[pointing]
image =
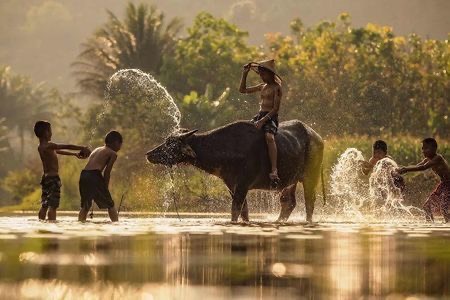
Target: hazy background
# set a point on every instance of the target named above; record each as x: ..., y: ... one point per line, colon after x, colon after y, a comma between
x: 353, y: 70
x: 41, y: 38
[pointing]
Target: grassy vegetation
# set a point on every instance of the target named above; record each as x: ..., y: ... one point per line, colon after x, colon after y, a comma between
x: 152, y: 188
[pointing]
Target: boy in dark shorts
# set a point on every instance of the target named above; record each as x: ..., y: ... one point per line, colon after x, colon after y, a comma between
x: 439, y: 200
x: 51, y: 183
x: 94, y: 184
x: 267, y: 118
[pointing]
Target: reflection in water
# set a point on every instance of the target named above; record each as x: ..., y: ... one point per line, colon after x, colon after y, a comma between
x: 345, y: 258
x: 154, y: 258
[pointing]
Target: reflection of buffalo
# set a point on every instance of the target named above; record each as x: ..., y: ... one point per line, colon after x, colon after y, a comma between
x: 237, y: 153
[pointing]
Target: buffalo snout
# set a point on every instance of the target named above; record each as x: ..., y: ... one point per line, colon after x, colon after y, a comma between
x: 153, y: 156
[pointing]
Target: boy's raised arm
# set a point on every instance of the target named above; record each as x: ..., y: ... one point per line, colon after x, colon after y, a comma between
x: 243, y: 86
x: 109, y: 166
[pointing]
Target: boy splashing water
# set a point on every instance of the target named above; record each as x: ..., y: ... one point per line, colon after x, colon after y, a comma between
x: 439, y: 200
x: 94, y: 184
x: 267, y: 118
x: 379, y: 152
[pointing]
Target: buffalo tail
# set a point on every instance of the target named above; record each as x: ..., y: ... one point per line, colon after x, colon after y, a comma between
x: 323, y: 186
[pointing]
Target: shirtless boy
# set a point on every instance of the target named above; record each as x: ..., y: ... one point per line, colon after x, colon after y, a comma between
x: 379, y: 152
x: 51, y: 183
x: 267, y: 118
x: 439, y: 199
x: 93, y: 184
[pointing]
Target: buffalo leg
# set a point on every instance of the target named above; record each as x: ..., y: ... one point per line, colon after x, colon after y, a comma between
x: 239, y: 204
x: 244, y: 212
x: 288, y: 202
x: 310, y: 198
x: 312, y: 176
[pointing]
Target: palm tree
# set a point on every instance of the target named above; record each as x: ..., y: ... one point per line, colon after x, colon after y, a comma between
x: 22, y: 103
x: 139, y: 41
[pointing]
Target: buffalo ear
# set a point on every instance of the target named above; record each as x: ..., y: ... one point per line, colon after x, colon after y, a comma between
x: 187, y: 134
x: 188, y: 151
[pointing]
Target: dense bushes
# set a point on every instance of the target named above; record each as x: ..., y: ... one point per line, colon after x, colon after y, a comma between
x: 153, y: 188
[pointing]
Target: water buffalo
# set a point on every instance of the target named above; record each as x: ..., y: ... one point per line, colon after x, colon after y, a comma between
x: 237, y: 153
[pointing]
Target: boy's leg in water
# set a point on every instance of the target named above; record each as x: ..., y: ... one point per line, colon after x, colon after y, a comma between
x: 42, y: 213
x: 113, y: 215
x: 51, y: 213
x: 82, y: 215
x: 272, y: 149
x: 428, y: 209
x: 444, y: 208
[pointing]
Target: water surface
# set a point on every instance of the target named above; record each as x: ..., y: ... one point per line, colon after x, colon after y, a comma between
x: 195, y: 257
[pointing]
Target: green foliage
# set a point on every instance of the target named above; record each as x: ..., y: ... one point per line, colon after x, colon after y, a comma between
x: 23, y: 102
x: 8, y: 160
x: 70, y: 169
x: 205, y: 112
x: 365, y: 80
x: 20, y: 183
x: 32, y: 201
x: 212, y: 54
x: 138, y: 41
x: 192, y: 189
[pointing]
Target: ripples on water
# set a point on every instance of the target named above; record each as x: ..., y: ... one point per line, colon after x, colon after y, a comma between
x: 165, y: 258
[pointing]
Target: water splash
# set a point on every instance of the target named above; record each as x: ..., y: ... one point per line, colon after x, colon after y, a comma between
x: 346, y: 179
x: 130, y: 85
x: 135, y: 84
x: 377, y: 198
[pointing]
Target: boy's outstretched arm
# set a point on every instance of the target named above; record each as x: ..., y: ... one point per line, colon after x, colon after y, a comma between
x: 243, y: 86
x: 59, y: 148
x: 109, y: 166
x: 56, y: 146
x: 422, y: 166
x: 62, y: 152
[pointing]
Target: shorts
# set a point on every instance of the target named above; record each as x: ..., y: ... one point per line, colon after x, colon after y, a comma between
x: 51, y: 191
x: 439, y: 199
x: 93, y: 187
x: 271, y: 126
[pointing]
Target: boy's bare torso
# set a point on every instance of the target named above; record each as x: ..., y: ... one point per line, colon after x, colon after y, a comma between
x: 268, y: 95
x: 441, y: 167
x: 49, y: 159
x: 99, y: 158
x: 373, y: 160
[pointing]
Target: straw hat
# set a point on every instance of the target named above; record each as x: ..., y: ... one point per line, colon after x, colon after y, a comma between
x: 268, y: 64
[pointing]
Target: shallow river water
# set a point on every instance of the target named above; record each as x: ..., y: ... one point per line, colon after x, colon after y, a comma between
x: 210, y: 258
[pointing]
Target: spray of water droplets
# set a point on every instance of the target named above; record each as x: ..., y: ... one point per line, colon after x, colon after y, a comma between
x: 134, y: 85
x: 359, y: 198
x: 139, y: 85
